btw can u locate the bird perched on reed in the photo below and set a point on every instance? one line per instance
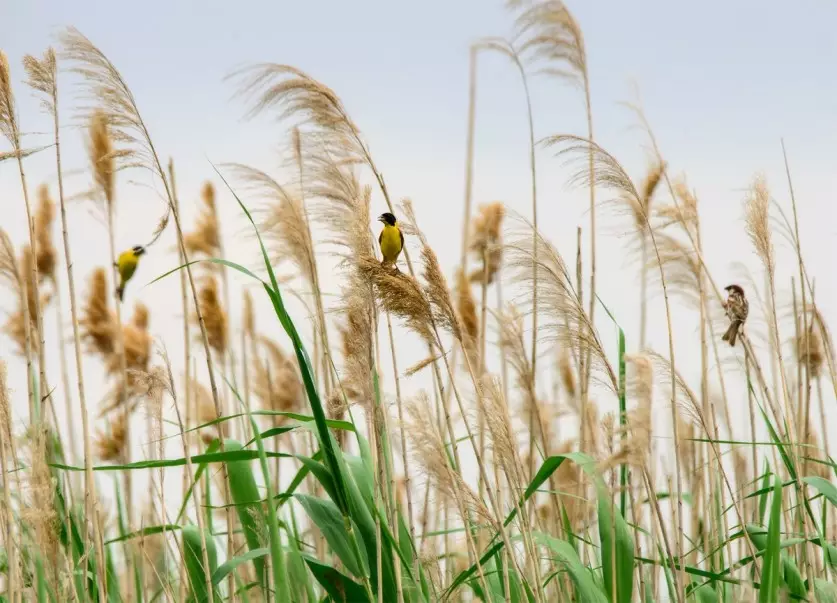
(391, 239)
(737, 309)
(126, 264)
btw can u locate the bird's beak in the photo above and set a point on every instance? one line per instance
(381, 219)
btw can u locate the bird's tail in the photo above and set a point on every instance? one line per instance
(732, 332)
(120, 291)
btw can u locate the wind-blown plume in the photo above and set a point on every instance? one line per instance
(565, 320)
(486, 241)
(44, 216)
(206, 238)
(275, 380)
(757, 217)
(98, 322)
(41, 76)
(214, 316)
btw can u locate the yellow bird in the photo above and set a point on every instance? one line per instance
(391, 239)
(126, 264)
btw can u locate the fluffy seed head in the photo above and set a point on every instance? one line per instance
(214, 317)
(486, 241)
(102, 156)
(111, 444)
(98, 324)
(206, 238)
(44, 216)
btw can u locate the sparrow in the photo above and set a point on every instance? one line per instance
(737, 309)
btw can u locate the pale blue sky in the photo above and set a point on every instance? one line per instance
(722, 82)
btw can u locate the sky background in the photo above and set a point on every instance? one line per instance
(722, 83)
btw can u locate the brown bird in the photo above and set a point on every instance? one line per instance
(737, 309)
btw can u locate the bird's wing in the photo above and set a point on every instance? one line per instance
(380, 237)
(401, 234)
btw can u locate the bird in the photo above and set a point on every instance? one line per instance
(737, 309)
(126, 265)
(391, 239)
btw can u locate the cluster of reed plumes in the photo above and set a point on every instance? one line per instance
(317, 466)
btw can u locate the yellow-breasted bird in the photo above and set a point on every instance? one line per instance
(126, 264)
(391, 239)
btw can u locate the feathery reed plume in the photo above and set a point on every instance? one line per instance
(503, 437)
(356, 335)
(275, 380)
(684, 212)
(438, 294)
(8, 113)
(137, 342)
(205, 411)
(283, 224)
(98, 325)
(429, 447)
(435, 288)
(681, 265)
(214, 316)
(44, 216)
(398, 294)
(566, 372)
(102, 156)
(206, 238)
(40, 511)
(15, 326)
(757, 214)
(810, 352)
(111, 444)
(297, 95)
(635, 448)
(565, 319)
(486, 242)
(513, 347)
(467, 309)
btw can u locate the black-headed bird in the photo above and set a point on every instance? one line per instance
(126, 264)
(391, 239)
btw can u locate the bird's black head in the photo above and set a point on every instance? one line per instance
(387, 218)
(138, 250)
(734, 289)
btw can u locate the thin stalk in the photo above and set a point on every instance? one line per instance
(404, 457)
(123, 392)
(90, 500)
(65, 378)
(187, 352)
(190, 475)
(10, 546)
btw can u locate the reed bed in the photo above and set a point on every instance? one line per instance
(299, 455)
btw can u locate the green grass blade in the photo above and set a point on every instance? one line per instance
(771, 577)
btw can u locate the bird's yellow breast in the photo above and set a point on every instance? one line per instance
(390, 242)
(127, 263)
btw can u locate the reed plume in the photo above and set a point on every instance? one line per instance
(206, 238)
(275, 380)
(214, 316)
(486, 241)
(44, 217)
